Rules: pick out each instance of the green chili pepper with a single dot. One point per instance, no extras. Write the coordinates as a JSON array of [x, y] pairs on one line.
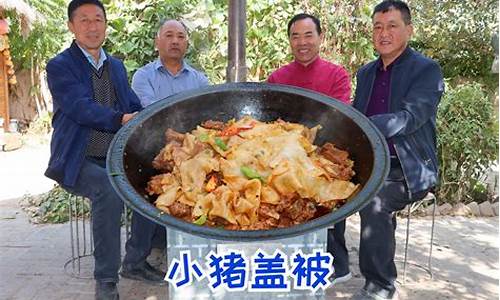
[[203, 137], [201, 220], [251, 173], [220, 144]]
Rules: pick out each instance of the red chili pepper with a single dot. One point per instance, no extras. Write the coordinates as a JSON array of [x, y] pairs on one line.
[[234, 130]]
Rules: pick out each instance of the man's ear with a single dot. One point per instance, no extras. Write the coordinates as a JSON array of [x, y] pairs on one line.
[[156, 43], [322, 37], [70, 27], [409, 30]]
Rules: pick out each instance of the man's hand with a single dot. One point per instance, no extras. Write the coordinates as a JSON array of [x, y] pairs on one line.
[[127, 117]]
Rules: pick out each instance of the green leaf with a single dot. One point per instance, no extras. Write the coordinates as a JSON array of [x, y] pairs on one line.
[[118, 24], [201, 220], [203, 137], [220, 143], [251, 173]]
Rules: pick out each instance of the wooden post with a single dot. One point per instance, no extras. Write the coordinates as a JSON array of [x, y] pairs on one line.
[[236, 68], [4, 93]]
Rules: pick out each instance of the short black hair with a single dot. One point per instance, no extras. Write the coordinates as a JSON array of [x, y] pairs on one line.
[[387, 5], [74, 4], [301, 17]]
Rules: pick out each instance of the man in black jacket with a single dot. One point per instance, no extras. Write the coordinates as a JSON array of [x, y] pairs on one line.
[[399, 92]]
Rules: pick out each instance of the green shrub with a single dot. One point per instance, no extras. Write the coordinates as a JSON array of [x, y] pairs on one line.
[[480, 192], [467, 140], [53, 206]]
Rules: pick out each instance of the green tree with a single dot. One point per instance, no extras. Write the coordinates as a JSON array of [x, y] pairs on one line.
[[46, 38], [133, 26], [467, 140], [457, 34], [32, 52]]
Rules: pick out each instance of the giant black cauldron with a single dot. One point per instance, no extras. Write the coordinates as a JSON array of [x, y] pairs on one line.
[[137, 143]]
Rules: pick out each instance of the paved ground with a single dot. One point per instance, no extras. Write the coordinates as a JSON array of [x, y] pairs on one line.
[[21, 171], [32, 257]]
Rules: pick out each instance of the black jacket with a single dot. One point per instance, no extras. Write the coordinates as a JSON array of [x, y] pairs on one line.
[[416, 89]]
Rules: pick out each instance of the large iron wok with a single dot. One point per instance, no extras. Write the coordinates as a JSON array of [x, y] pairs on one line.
[[138, 142]]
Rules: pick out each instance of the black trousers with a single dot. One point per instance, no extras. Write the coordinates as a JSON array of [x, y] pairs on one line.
[[107, 208], [335, 245], [378, 226]]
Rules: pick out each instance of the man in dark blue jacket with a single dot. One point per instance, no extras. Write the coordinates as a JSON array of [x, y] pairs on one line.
[[92, 100], [399, 92]]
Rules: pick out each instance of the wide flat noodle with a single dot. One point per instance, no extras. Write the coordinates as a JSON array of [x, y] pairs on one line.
[[193, 172], [269, 195], [168, 197], [338, 189], [248, 174], [222, 205], [203, 205]]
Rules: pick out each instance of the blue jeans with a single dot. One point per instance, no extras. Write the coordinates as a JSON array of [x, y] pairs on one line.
[[106, 210], [378, 227]]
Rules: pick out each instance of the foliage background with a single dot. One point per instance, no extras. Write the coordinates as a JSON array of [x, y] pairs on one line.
[[456, 33], [46, 38]]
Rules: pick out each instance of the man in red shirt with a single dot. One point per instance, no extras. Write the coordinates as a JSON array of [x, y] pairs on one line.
[[308, 70], [311, 72]]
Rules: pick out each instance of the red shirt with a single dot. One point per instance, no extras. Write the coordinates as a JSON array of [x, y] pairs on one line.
[[320, 76]]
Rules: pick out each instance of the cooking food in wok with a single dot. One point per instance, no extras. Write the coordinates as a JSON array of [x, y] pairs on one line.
[[250, 175]]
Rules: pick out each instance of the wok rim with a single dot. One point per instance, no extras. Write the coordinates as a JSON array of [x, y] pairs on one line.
[[122, 186]]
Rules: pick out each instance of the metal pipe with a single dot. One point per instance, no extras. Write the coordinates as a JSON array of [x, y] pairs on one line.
[[434, 200], [77, 201], [406, 243], [70, 208], [236, 69]]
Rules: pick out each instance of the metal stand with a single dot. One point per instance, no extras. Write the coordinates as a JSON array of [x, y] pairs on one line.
[[81, 263], [126, 221], [428, 269], [199, 248], [82, 242]]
